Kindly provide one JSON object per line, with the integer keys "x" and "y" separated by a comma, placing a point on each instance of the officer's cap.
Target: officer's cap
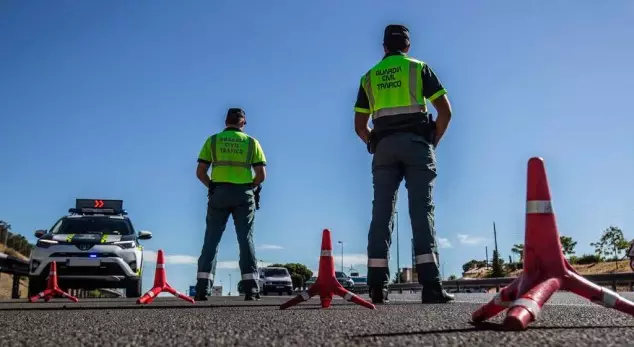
{"x": 234, "y": 114}
{"x": 395, "y": 32}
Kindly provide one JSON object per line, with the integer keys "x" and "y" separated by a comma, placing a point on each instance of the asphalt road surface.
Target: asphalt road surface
{"x": 567, "y": 320}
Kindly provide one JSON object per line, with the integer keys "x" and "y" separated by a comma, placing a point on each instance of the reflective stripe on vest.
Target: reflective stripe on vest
{"x": 382, "y": 101}
{"x": 243, "y": 164}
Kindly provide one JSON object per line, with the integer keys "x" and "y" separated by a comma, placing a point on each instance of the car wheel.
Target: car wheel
{"x": 133, "y": 288}
{"x": 290, "y": 292}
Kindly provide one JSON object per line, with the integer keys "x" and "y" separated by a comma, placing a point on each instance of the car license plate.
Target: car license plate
{"x": 280, "y": 287}
{"x": 83, "y": 262}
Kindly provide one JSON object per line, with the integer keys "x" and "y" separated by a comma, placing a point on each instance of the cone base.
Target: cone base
{"x": 517, "y": 319}
{"x": 49, "y": 294}
{"x": 151, "y": 294}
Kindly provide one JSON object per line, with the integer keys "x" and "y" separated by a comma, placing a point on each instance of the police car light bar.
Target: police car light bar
{"x": 98, "y": 206}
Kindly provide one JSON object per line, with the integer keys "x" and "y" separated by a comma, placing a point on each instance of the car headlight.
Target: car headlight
{"x": 125, "y": 244}
{"x": 45, "y": 243}
{"x": 34, "y": 264}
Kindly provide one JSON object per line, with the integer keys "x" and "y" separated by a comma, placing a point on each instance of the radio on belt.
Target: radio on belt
{"x": 99, "y": 205}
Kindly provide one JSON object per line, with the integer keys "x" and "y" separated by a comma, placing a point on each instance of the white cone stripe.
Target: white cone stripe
{"x": 528, "y": 304}
{"x": 150, "y": 294}
{"x": 160, "y": 266}
{"x": 348, "y": 296}
{"x": 326, "y": 253}
{"x": 539, "y": 206}
{"x": 609, "y": 298}
{"x": 304, "y": 295}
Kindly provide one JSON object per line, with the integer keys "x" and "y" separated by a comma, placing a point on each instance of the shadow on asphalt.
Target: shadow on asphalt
{"x": 71, "y": 307}
{"x": 491, "y": 327}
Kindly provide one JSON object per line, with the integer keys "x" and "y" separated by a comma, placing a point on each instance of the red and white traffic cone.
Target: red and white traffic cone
{"x": 52, "y": 289}
{"x": 160, "y": 284}
{"x": 546, "y": 270}
{"x": 326, "y": 284}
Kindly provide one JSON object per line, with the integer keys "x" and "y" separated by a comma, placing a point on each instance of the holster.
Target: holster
{"x": 210, "y": 190}
{"x": 425, "y": 129}
{"x": 256, "y": 195}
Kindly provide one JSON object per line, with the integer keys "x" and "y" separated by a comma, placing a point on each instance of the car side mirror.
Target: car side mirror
{"x": 145, "y": 235}
{"x": 40, "y": 233}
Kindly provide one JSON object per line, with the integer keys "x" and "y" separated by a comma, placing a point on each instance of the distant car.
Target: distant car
{"x": 275, "y": 279}
{"x": 344, "y": 280}
{"x": 94, "y": 246}
{"x": 310, "y": 281}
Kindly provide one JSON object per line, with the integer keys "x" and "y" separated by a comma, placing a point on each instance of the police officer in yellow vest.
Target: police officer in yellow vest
{"x": 232, "y": 190}
{"x": 402, "y": 141}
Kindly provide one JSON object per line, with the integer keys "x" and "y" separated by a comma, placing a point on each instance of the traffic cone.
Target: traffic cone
{"x": 326, "y": 284}
{"x": 546, "y": 270}
{"x": 160, "y": 284}
{"x": 52, "y": 289}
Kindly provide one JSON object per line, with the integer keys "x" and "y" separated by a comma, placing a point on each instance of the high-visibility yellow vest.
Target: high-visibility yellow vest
{"x": 394, "y": 86}
{"x": 231, "y": 157}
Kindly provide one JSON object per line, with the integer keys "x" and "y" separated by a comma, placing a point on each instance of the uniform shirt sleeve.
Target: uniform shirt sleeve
{"x": 363, "y": 104}
{"x": 258, "y": 159}
{"x": 432, "y": 88}
{"x": 205, "y": 153}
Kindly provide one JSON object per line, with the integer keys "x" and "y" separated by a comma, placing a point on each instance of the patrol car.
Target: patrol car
{"x": 94, "y": 246}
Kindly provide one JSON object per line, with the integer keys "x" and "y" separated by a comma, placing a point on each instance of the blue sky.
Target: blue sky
{"x": 114, "y": 100}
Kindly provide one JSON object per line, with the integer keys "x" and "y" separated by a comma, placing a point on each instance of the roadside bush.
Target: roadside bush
{"x": 588, "y": 259}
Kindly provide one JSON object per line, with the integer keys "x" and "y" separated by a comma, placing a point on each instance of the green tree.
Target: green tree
{"x": 496, "y": 264}
{"x": 452, "y": 277}
{"x": 612, "y": 243}
{"x": 472, "y": 263}
{"x": 567, "y": 245}
{"x": 519, "y": 250}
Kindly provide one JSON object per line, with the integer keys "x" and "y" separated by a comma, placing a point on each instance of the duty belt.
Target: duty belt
{"x": 427, "y": 130}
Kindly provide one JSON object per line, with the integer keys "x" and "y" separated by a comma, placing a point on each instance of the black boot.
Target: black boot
{"x": 378, "y": 294}
{"x": 253, "y": 293}
{"x": 433, "y": 293}
{"x": 201, "y": 290}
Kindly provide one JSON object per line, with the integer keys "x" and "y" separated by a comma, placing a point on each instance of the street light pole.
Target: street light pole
{"x": 341, "y": 255}
{"x": 398, "y": 259}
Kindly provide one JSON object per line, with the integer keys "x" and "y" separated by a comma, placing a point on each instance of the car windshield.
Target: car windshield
{"x": 340, "y": 274}
{"x": 92, "y": 225}
{"x": 275, "y": 272}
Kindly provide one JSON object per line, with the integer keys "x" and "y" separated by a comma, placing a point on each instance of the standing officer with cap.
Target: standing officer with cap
{"x": 403, "y": 142}
{"x": 233, "y": 190}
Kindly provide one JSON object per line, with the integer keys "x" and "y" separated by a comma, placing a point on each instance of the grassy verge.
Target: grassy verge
{"x": 6, "y": 280}
{"x": 585, "y": 269}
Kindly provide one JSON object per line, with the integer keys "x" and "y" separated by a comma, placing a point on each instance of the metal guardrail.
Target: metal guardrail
{"x": 601, "y": 279}
{"x": 16, "y": 267}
